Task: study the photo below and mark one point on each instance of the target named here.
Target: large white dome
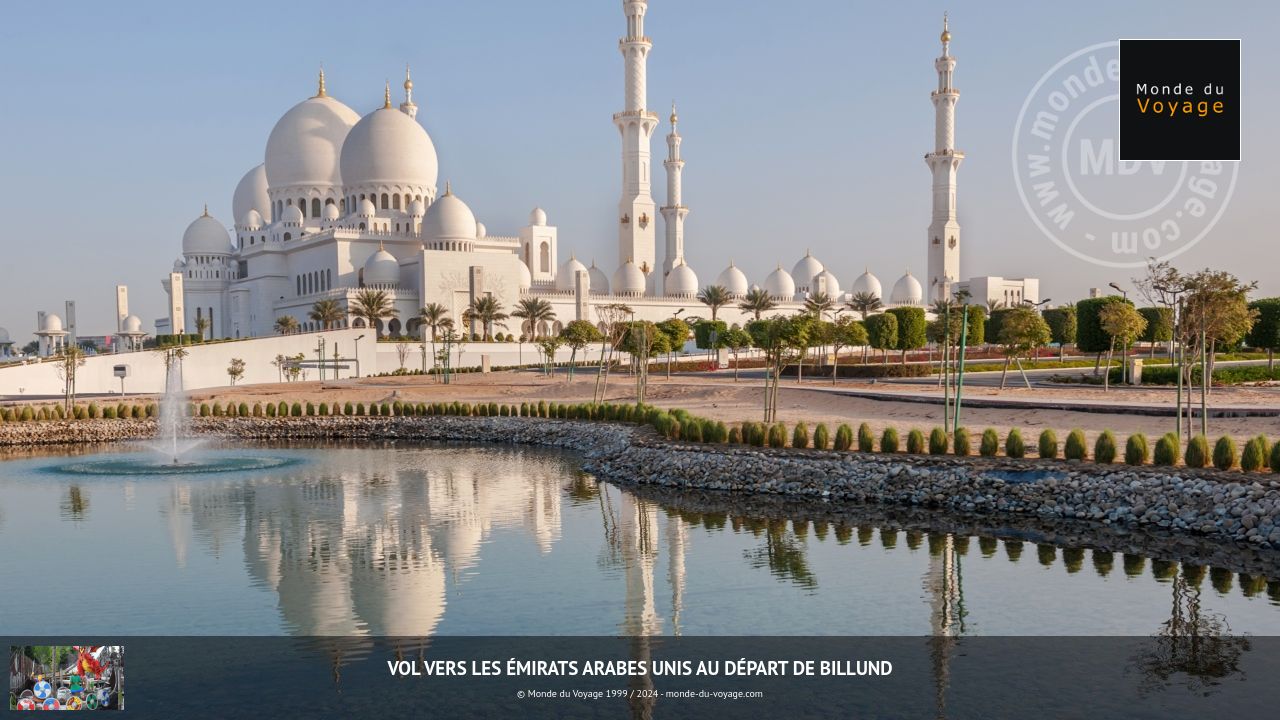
(733, 280)
(52, 324)
(526, 277)
(206, 236)
(805, 270)
(779, 285)
(251, 194)
(568, 274)
(133, 324)
(907, 291)
(599, 281)
(305, 145)
(628, 280)
(381, 269)
(868, 283)
(833, 284)
(682, 282)
(389, 148)
(449, 218)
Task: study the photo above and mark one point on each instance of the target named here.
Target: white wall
(500, 355)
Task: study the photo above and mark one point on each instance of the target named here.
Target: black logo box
(1187, 68)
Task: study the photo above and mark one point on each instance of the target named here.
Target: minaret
(674, 212)
(944, 161)
(636, 221)
(407, 107)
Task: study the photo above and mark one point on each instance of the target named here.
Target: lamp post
(358, 339)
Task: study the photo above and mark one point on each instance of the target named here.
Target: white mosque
(343, 202)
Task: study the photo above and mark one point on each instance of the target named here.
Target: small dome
(417, 208)
(133, 324)
(907, 291)
(52, 324)
(599, 281)
(179, 264)
(251, 194)
(833, 285)
(292, 215)
(449, 218)
(568, 274)
(387, 147)
(682, 282)
(251, 220)
(206, 236)
(780, 285)
(381, 269)
(868, 283)
(367, 208)
(526, 277)
(733, 280)
(331, 212)
(628, 280)
(538, 217)
(805, 270)
(481, 230)
(305, 144)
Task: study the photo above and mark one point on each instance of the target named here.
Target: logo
(1072, 182)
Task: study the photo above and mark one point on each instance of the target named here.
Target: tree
(487, 311)
(577, 335)
(736, 340)
(532, 312)
(882, 332)
(706, 333)
(714, 297)
(1159, 326)
(845, 332)
(818, 305)
(1216, 314)
(864, 302)
(1062, 326)
(757, 302)
(994, 304)
(642, 340)
(432, 316)
(1022, 332)
(402, 352)
(977, 332)
(1265, 333)
(677, 332)
(611, 317)
(202, 326)
(326, 313)
(1090, 337)
(779, 338)
(1123, 323)
(235, 370)
(548, 346)
(995, 322)
(912, 329)
(374, 306)
(286, 324)
(69, 362)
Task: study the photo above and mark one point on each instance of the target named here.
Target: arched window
(395, 202)
(302, 205)
(385, 201)
(289, 202)
(544, 258)
(361, 226)
(328, 282)
(315, 207)
(288, 237)
(343, 206)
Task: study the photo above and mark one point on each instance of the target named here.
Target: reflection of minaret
(944, 162)
(636, 528)
(677, 535)
(946, 611)
(176, 516)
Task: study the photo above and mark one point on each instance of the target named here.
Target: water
(360, 539)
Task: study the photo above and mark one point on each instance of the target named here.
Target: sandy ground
(812, 401)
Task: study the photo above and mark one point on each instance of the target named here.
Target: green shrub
(204, 410)
(282, 409)
(1166, 452)
(231, 410)
(821, 437)
(94, 411)
(961, 444)
(989, 445)
(937, 441)
(360, 408)
(218, 410)
(721, 433)
(1076, 448)
(109, 413)
(296, 409)
(889, 440)
(844, 437)
(1254, 457)
(322, 409)
(800, 436)
(915, 442)
(1265, 444)
(1197, 452)
(348, 408)
(1104, 449)
(386, 409)
(1014, 446)
(493, 409)
(1274, 458)
(866, 439)
(1136, 450)
(757, 435)
(311, 409)
(542, 409)
(735, 435)
(1224, 453)
(693, 432)
(243, 410)
(1047, 447)
(257, 409)
(123, 411)
(778, 436)
(153, 410)
(271, 409)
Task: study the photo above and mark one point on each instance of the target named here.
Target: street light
(1123, 293)
(357, 358)
(1037, 305)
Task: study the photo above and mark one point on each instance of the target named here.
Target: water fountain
(172, 431)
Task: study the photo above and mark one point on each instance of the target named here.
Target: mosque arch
(393, 327)
(544, 257)
(386, 200)
(358, 323)
(395, 201)
(315, 207)
(288, 237)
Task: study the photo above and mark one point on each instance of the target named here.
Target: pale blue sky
(804, 126)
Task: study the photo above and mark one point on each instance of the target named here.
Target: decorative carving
(644, 220)
(952, 242)
(626, 219)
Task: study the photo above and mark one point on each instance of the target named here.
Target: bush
(1224, 453)
(915, 442)
(244, 409)
(844, 438)
(1104, 449)
(282, 409)
(109, 413)
(937, 441)
(311, 409)
(1254, 457)
(1136, 450)
(257, 409)
(204, 410)
(1014, 446)
(1047, 447)
(1075, 448)
(542, 409)
(735, 436)
(800, 436)
(721, 433)
(1167, 450)
(323, 409)
(1274, 459)
(693, 432)
(271, 409)
(757, 434)
(348, 409)
(1197, 452)
(989, 446)
(231, 410)
(866, 440)
(94, 411)
(360, 408)
(960, 444)
(821, 437)
(296, 409)
(778, 436)
(889, 441)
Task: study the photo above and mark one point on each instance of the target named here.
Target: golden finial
(408, 81)
(448, 187)
(386, 96)
(320, 92)
(206, 210)
(946, 33)
(674, 119)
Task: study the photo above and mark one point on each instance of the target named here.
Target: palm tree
(993, 304)
(326, 312)
(714, 297)
(373, 306)
(864, 302)
(757, 302)
(202, 327)
(488, 312)
(533, 312)
(286, 324)
(818, 305)
(432, 316)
